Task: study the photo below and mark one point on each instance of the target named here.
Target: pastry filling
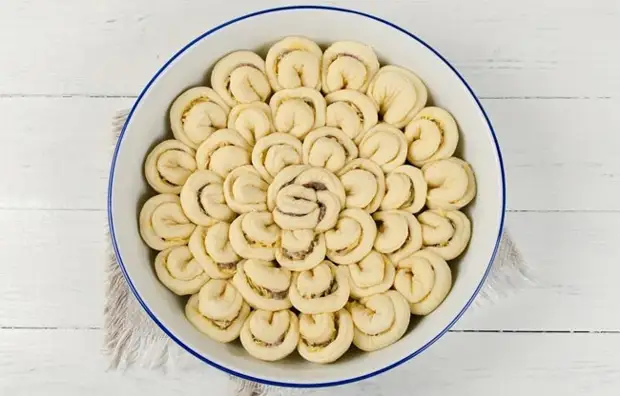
(266, 344)
(300, 255)
(264, 292)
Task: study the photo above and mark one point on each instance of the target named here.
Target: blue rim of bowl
(287, 384)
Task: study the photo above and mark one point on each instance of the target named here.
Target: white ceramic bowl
(148, 124)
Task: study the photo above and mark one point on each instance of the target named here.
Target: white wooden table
(548, 73)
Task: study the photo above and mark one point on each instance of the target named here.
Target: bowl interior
(148, 125)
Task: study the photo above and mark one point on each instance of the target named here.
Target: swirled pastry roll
(263, 284)
(275, 152)
(196, 114)
(424, 279)
(329, 148)
(177, 269)
(379, 320)
(446, 233)
(304, 197)
(364, 184)
(251, 120)
(351, 111)
(297, 111)
(348, 65)
(270, 336)
(352, 238)
(384, 145)
(373, 274)
(163, 223)
(202, 199)
(399, 234)
(254, 235)
(405, 189)
(399, 93)
(223, 151)
(245, 190)
(301, 250)
(239, 77)
(294, 62)
(218, 310)
(325, 337)
(451, 184)
(432, 135)
(324, 288)
(221, 249)
(168, 166)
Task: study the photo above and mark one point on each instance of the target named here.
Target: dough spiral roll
(325, 337)
(196, 114)
(263, 284)
(379, 320)
(399, 234)
(239, 77)
(451, 184)
(305, 197)
(352, 238)
(364, 184)
(294, 62)
(432, 135)
(254, 235)
(245, 190)
(223, 151)
(301, 250)
(177, 269)
(252, 120)
(297, 111)
(446, 233)
(329, 148)
(202, 199)
(424, 279)
(373, 274)
(163, 223)
(275, 152)
(399, 93)
(384, 145)
(270, 336)
(351, 111)
(324, 288)
(168, 166)
(219, 249)
(348, 65)
(406, 189)
(218, 311)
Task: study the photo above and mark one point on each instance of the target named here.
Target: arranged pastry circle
(269, 335)
(432, 135)
(202, 199)
(163, 223)
(275, 152)
(301, 250)
(373, 274)
(348, 65)
(177, 269)
(399, 93)
(451, 184)
(297, 111)
(254, 235)
(351, 111)
(218, 310)
(364, 184)
(196, 114)
(384, 145)
(399, 234)
(218, 247)
(239, 77)
(245, 190)
(324, 288)
(222, 152)
(328, 147)
(294, 62)
(251, 120)
(351, 238)
(446, 233)
(325, 337)
(198, 246)
(406, 189)
(263, 284)
(424, 279)
(168, 166)
(379, 320)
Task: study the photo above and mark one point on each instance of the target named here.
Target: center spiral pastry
(308, 201)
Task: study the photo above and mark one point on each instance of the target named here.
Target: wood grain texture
(526, 48)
